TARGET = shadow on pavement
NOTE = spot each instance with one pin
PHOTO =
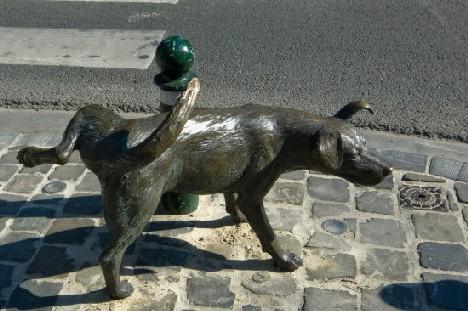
(53, 259)
(445, 294)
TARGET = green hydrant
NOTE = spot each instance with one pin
(175, 57)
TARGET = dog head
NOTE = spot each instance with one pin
(342, 150)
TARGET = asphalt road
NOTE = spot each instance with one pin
(408, 57)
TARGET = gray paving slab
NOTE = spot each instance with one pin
(445, 167)
(7, 171)
(328, 300)
(446, 257)
(383, 232)
(437, 227)
(328, 189)
(377, 202)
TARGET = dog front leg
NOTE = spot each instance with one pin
(258, 220)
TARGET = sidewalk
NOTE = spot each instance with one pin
(402, 245)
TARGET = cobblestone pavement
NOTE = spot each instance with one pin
(401, 245)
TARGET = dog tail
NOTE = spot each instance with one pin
(163, 137)
(350, 109)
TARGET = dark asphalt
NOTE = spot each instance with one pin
(407, 57)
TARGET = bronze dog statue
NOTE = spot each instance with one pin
(237, 151)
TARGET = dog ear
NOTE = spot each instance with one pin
(350, 109)
(331, 150)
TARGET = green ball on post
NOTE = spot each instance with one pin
(175, 57)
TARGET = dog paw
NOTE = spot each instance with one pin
(123, 291)
(288, 262)
(26, 156)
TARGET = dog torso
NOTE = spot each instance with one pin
(221, 150)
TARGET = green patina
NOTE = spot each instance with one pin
(175, 57)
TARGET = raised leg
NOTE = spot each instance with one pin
(232, 207)
(32, 156)
(258, 220)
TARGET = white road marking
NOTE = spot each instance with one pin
(80, 48)
(121, 1)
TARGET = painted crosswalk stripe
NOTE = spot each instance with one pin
(121, 1)
(80, 48)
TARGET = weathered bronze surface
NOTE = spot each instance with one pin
(237, 151)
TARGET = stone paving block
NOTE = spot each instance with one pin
(9, 157)
(437, 227)
(448, 292)
(392, 265)
(6, 138)
(75, 157)
(35, 219)
(286, 192)
(39, 139)
(378, 202)
(331, 267)
(34, 295)
(49, 200)
(7, 171)
(210, 292)
(91, 278)
(463, 174)
(161, 257)
(294, 175)
(51, 261)
(284, 219)
(166, 302)
(10, 204)
(446, 257)
(327, 189)
(67, 172)
(352, 225)
(421, 177)
(404, 160)
(321, 240)
(383, 232)
(387, 183)
(278, 286)
(289, 242)
(393, 297)
(39, 169)
(462, 191)
(90, 183)
(445, 168)
(70, 231)
(452, 201)
(328, 300)
(320, 209)
(24, 183)
(83, 204)
(18, 247)
(6, 273)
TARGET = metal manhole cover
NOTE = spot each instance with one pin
(422, 198)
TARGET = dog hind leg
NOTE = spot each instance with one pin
(32, 156)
